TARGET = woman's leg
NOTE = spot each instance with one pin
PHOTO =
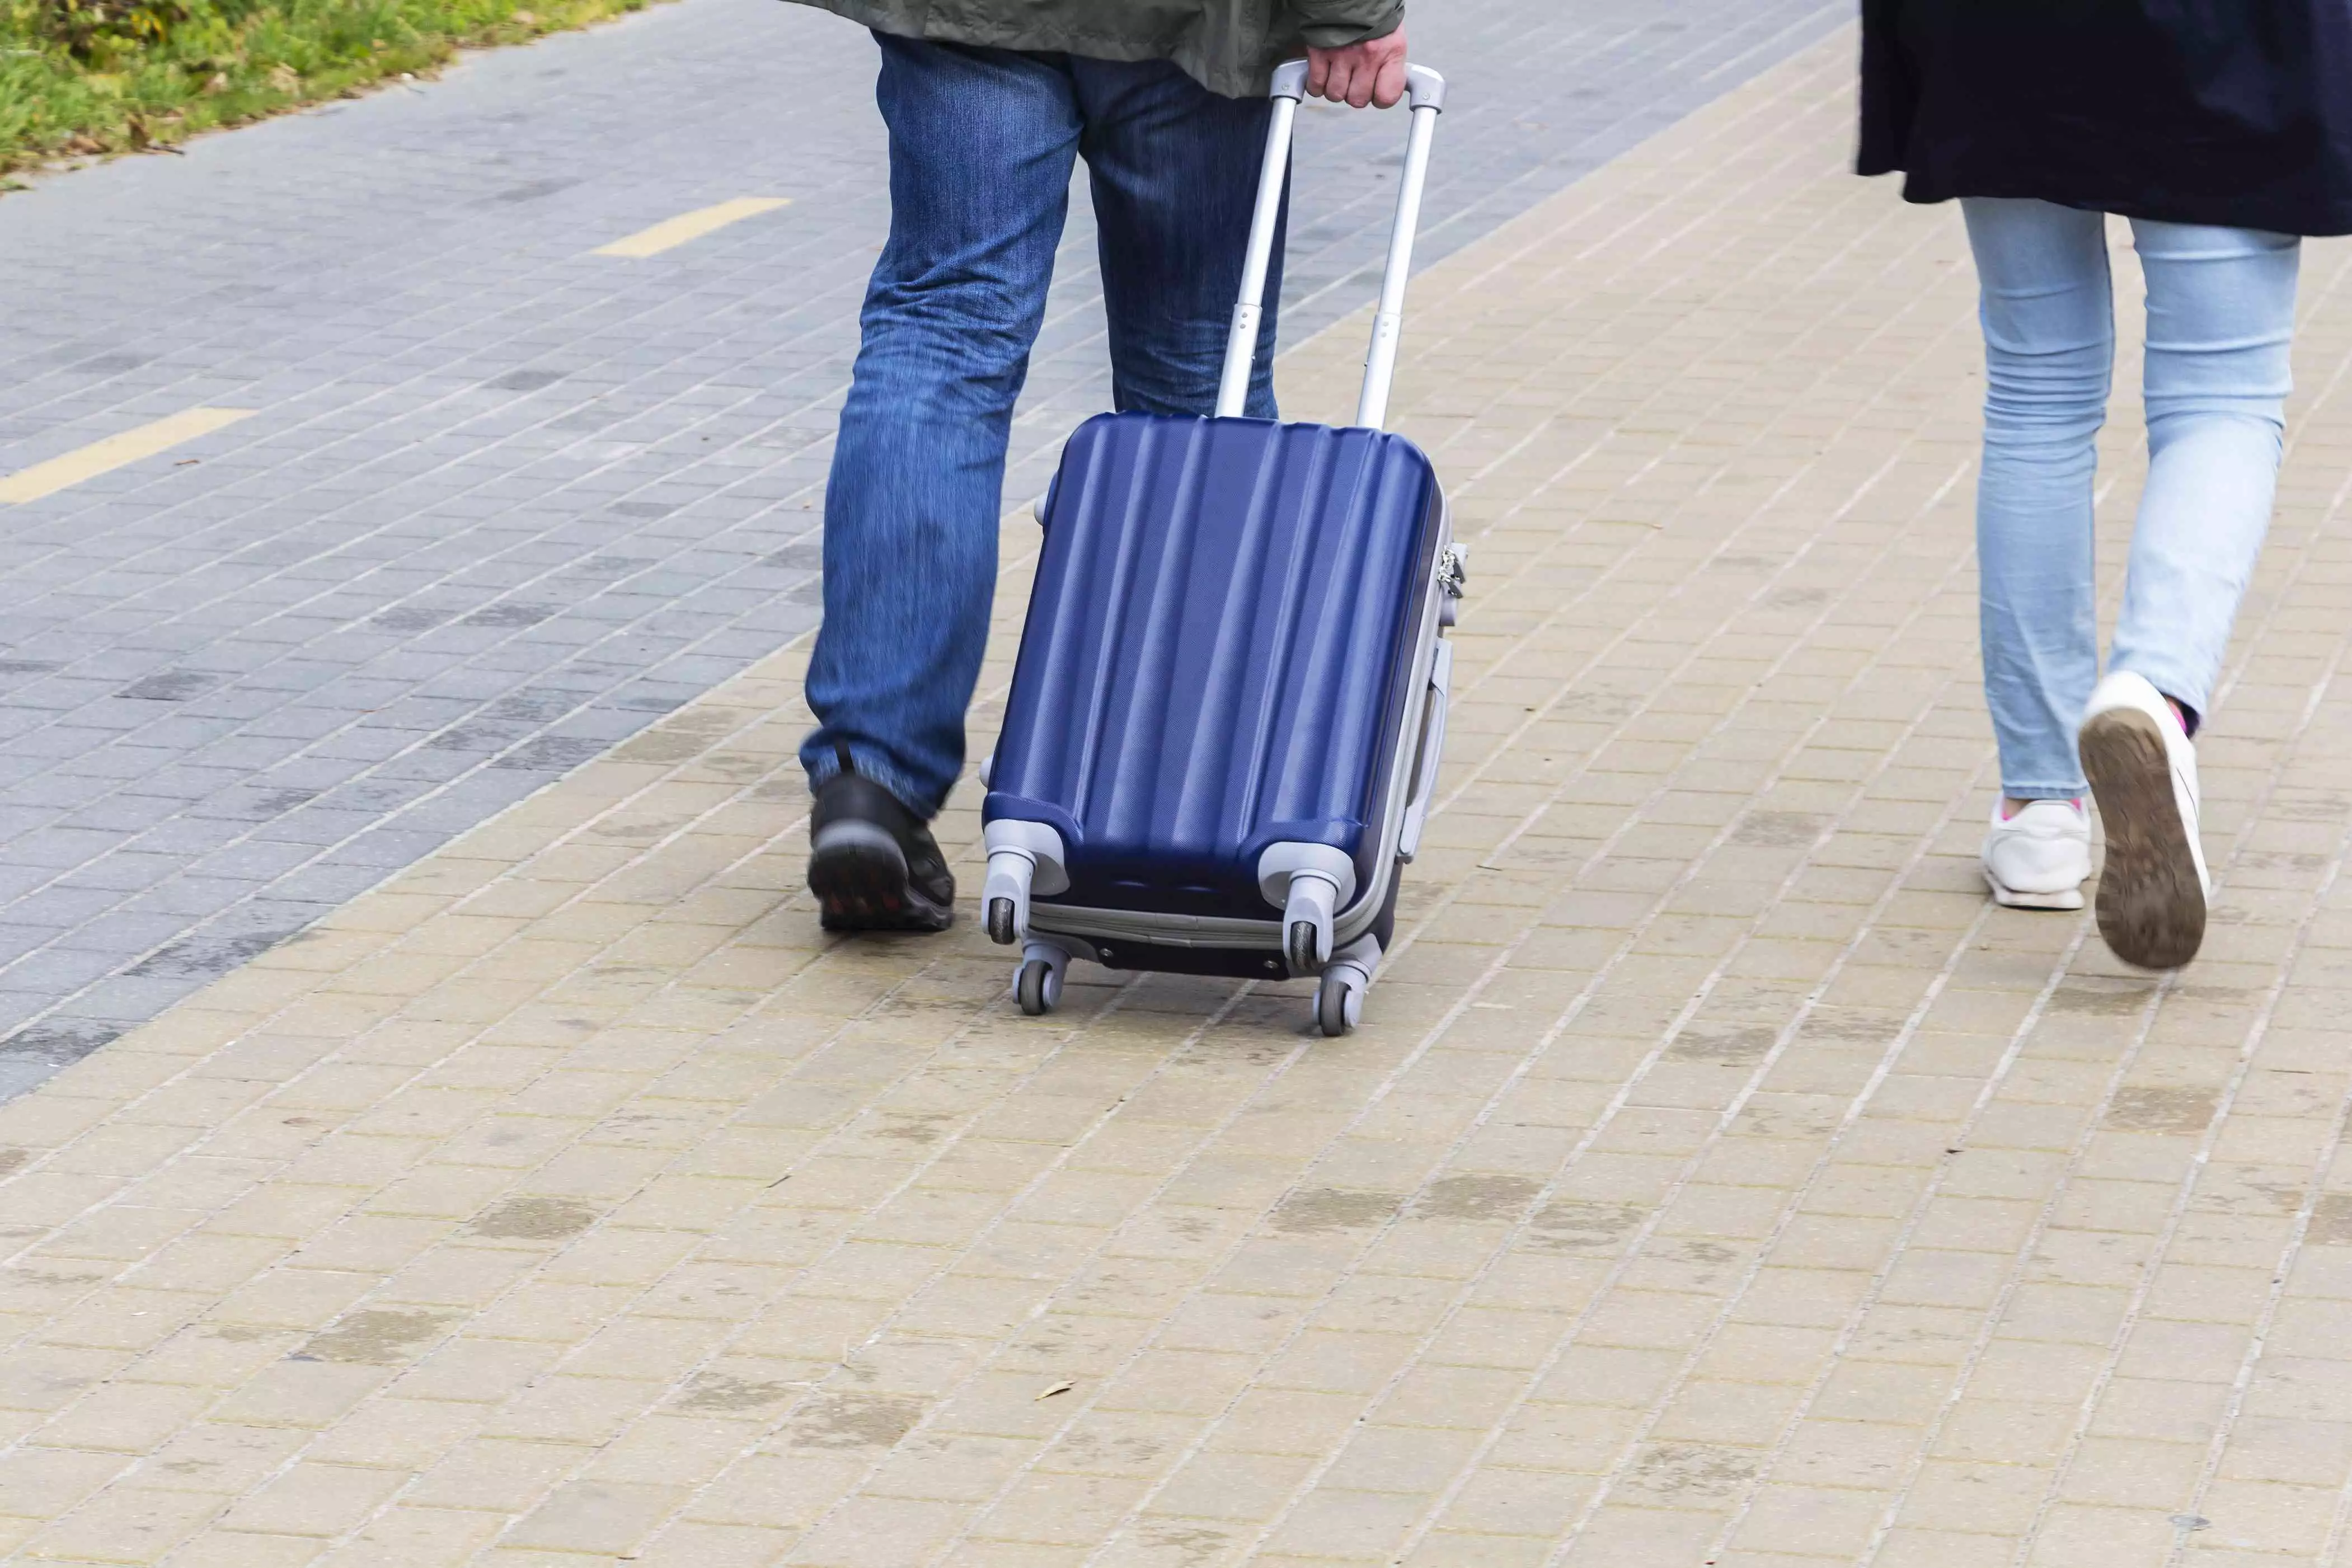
(2221, 324)
(2221, 316)
(2049, 330)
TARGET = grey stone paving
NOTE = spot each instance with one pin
(504, 500)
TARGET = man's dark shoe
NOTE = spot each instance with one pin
(872, 865)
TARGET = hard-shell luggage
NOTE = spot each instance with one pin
(1229, 703)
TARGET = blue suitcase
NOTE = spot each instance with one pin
(1230, 697)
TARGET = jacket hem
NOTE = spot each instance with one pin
(2302, 218)
(1225, 76)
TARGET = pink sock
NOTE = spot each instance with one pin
(2008, 811)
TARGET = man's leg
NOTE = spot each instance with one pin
(981, 148)
(1174, 171)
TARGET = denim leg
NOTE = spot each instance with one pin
(1174, 171)
(981, 143)
(2049, 330)
(2220, 326)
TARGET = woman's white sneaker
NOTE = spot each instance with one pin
(2039, 859)
(2143, 771)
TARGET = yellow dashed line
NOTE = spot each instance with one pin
(103, 456)
(674, 232)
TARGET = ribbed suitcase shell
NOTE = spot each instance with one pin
(1220, 655)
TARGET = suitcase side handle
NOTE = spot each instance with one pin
(1425, 100)
(1433, 742)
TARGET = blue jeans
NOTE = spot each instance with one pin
(2221, 323)
(982, 144)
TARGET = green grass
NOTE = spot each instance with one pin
(78, 79)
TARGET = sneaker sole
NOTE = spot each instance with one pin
(858, 874)
(2010, 898)
(2151, 907)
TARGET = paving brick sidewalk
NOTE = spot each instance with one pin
(502, 501)
(1718, 1178)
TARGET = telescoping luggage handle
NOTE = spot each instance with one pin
(1426, 97)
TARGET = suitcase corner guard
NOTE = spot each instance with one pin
(1310, 883)
(1024, 858)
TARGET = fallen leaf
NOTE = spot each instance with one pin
(1057, 1388)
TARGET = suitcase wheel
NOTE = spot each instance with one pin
(1339, 1001)
(1039, 988)
(1038, 984)
(1004, 921)
(1303, 950)
(1339, 998)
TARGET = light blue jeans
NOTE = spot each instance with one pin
(2221, 322)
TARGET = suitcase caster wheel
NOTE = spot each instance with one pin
(1038, 986)
(1338, 1003)
(1002, 922)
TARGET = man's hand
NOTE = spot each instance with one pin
(1371, 72)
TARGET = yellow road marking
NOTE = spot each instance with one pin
(674, 232)
(103, 456)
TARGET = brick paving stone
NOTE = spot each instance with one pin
(504, 501)
(1718, 1177)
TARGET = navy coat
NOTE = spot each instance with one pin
(2236, 112)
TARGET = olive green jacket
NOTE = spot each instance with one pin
(1228, 45)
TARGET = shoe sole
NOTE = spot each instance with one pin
(2010, 898)
(858, 874)
(2151, 907)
